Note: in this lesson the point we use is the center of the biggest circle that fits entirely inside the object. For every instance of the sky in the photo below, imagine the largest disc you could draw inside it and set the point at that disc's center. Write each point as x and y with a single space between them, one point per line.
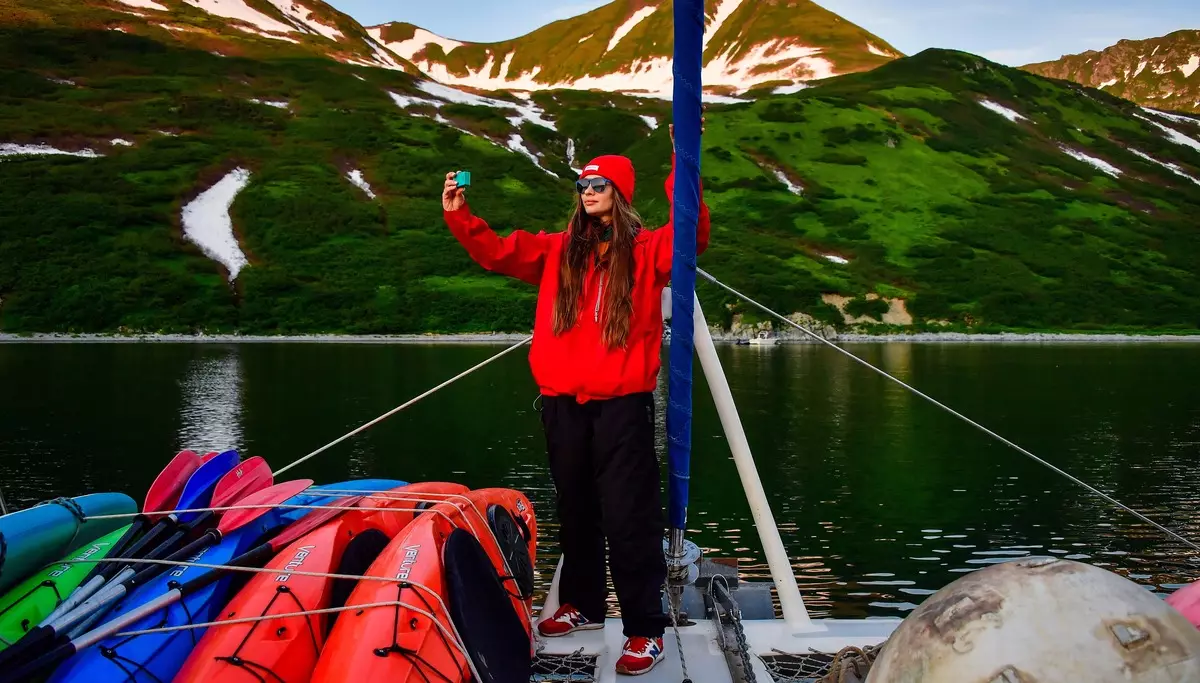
1013 32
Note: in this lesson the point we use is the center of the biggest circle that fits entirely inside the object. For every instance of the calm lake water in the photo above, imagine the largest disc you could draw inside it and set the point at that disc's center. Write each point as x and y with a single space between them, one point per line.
881 498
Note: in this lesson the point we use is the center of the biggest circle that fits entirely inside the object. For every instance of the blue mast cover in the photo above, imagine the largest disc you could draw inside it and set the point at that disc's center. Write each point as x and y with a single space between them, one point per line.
689 49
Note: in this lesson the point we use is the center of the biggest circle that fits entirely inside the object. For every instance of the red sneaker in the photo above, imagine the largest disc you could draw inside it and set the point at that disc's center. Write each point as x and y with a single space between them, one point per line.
640 655
566 620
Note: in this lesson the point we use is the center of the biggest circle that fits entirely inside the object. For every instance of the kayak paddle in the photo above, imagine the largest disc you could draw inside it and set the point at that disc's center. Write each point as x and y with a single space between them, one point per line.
254 557
197 492
259 504
162 496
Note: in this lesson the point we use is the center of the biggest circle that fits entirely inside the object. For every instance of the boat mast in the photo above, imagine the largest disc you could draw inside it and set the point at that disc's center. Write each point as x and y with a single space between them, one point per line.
689 47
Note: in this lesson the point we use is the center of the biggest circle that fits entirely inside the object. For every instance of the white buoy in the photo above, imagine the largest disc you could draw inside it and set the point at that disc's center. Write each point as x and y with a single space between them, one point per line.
1041 619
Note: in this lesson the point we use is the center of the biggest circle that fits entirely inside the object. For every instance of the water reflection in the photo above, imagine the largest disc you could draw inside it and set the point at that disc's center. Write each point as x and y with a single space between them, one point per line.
880 497
210 417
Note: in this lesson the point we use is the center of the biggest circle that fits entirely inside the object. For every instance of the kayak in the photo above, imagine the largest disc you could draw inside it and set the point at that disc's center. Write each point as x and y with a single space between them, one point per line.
449 566
157 657
29 602
36 536
285 649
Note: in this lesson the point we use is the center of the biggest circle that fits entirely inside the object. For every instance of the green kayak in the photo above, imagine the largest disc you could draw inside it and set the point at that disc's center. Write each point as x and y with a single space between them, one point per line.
29 602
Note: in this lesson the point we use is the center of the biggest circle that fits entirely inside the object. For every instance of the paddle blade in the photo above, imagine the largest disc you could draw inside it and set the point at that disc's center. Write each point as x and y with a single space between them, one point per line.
164 492
267 498
311 522
198 491
251 476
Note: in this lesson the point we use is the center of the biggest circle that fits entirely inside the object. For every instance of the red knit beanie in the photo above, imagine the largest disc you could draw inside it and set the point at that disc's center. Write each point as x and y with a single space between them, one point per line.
618 169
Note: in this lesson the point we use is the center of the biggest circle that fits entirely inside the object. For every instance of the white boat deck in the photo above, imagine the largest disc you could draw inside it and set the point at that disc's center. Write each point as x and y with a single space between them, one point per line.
701 647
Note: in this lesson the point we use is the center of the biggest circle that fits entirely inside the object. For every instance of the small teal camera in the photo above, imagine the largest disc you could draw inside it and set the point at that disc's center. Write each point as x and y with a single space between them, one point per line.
463 178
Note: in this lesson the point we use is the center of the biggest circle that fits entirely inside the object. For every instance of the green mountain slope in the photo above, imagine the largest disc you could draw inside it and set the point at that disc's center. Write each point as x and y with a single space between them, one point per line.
910 190
626 45
247 28
1159 72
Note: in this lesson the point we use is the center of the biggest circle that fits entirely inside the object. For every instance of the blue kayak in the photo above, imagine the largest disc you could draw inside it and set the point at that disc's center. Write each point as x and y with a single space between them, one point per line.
158 657
31 538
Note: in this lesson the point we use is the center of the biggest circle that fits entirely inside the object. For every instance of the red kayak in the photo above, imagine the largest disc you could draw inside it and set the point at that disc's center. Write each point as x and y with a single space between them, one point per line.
462 585
285 649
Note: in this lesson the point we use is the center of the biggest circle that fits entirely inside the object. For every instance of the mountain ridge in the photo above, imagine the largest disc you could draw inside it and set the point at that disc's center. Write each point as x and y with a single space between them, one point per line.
625 46
252 28
1162 72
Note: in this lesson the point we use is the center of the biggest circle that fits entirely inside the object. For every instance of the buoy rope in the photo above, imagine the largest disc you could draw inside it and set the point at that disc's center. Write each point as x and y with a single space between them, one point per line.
405 405
955 413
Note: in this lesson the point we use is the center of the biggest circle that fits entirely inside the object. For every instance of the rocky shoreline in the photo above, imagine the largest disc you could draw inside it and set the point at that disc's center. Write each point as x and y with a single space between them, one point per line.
723 337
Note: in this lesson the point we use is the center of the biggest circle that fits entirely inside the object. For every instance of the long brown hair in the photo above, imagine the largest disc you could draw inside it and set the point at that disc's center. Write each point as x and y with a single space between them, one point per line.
583 241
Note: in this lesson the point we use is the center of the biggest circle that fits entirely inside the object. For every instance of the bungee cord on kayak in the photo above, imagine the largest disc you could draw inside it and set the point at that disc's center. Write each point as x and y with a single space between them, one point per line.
955 413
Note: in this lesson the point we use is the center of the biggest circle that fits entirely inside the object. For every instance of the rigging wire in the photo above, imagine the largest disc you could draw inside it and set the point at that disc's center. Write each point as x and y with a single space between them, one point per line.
407 404
952 411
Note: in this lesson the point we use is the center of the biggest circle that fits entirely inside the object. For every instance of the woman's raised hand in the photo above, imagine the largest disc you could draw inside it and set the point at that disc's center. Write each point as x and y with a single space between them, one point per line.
453 197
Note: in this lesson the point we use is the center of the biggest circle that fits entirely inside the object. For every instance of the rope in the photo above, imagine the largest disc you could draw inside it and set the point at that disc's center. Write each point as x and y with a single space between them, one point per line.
952 411
411 402
452 634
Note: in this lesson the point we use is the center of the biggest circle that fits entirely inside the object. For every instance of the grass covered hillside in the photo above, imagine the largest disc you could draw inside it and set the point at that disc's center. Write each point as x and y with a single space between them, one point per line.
1159 72
962 193
245 28
626 45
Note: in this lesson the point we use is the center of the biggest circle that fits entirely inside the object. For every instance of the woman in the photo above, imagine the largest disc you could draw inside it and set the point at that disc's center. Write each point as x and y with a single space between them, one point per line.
596 351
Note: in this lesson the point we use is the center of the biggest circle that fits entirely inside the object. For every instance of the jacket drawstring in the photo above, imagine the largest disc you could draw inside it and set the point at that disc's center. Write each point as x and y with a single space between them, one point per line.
599 296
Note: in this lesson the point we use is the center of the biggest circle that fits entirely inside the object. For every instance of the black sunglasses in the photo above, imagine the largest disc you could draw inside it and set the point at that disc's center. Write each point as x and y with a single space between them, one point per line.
600 185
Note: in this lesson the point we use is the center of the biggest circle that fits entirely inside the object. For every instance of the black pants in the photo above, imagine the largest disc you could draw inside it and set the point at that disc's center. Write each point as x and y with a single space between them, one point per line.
607 485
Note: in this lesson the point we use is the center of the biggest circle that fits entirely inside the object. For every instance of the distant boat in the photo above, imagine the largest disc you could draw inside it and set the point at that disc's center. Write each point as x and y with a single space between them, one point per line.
764 339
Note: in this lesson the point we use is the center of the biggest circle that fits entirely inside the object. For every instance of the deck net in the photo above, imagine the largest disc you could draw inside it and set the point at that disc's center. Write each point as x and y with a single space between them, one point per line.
572 668
851 665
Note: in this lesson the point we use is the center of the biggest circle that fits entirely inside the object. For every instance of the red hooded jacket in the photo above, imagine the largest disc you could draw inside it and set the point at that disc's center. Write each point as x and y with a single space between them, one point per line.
578 363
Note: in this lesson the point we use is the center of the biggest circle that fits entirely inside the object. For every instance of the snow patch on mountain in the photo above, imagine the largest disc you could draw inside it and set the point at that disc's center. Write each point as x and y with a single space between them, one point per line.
1174 168
1003 111
483 79
1178 118
12 149
876 51
120 142
278 104
517 144
800 62
420 39
356 178
724 11
630 24
571 155
206 222
1172 134
782 177
145 4
305 18
790 89
1141 67
1106 84
1191 66
1092 161
586 38
526 111
238 9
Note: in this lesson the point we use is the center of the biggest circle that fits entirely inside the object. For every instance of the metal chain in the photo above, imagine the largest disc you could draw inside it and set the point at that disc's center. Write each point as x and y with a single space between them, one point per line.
735 618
